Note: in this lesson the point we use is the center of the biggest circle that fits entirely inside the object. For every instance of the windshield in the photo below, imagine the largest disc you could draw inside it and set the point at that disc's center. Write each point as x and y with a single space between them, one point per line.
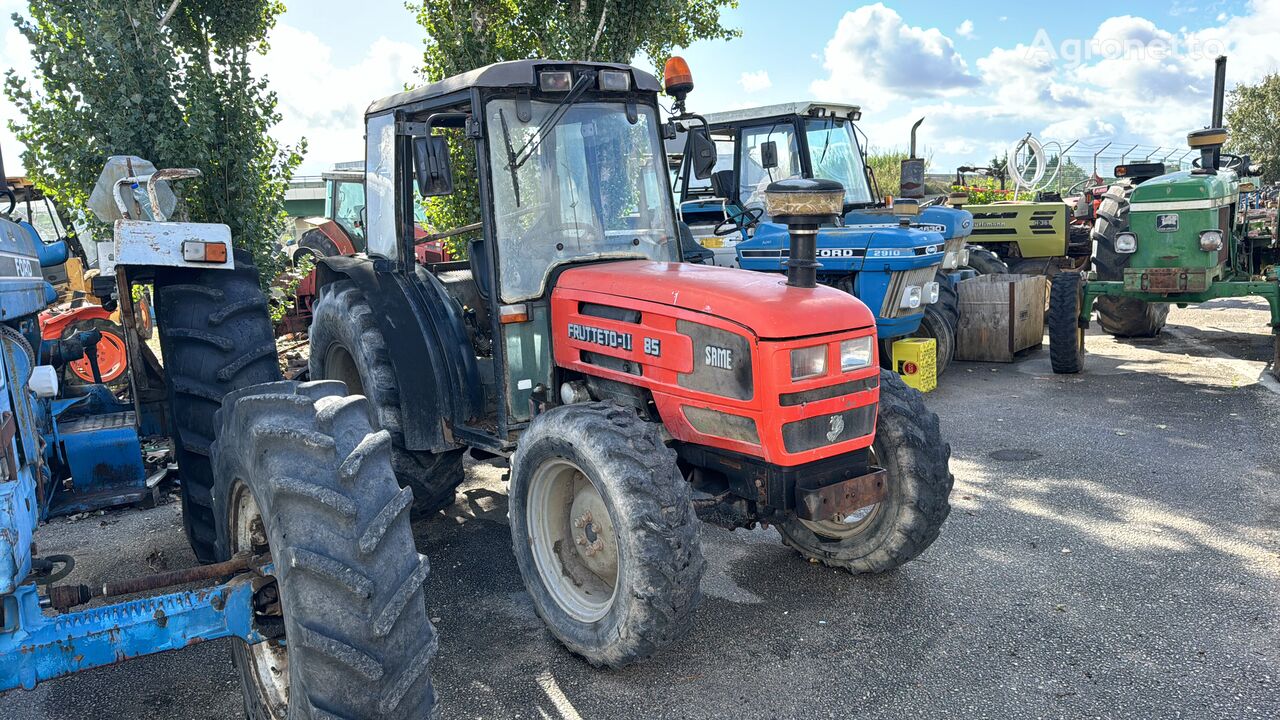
594 186
834 155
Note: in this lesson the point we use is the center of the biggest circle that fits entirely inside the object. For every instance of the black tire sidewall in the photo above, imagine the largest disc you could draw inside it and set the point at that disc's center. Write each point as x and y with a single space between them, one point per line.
568 629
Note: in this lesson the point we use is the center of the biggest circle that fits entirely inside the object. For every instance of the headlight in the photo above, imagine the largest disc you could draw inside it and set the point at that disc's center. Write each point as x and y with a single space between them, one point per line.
1126 243
964 257
616 80
1211 240
932 291
911 297
857 353
808 362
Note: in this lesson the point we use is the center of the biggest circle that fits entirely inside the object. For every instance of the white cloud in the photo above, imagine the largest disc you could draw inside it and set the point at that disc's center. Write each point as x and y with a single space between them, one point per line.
755 81
875 56
325 102
966 29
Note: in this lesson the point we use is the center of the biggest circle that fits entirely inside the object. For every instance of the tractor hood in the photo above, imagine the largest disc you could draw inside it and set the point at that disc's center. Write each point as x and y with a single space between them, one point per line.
1189 190
764 303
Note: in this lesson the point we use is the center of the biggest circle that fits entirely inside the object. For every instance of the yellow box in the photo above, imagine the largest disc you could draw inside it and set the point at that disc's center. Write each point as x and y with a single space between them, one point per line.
920 354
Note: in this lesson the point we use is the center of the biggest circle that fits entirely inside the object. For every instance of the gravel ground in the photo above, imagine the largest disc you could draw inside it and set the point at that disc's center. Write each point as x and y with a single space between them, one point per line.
1113 551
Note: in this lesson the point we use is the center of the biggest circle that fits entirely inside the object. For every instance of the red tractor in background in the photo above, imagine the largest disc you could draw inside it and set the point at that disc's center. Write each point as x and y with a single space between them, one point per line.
634 394
341 231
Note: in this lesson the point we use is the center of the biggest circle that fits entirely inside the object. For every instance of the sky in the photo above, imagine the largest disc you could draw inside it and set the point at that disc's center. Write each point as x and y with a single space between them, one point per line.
982 77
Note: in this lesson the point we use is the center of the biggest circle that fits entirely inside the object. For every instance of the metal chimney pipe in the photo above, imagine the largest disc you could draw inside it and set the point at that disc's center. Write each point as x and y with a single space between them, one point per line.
1219 89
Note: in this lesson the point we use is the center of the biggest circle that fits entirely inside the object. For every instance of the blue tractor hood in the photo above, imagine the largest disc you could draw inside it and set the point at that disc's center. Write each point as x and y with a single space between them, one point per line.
842 250
949 222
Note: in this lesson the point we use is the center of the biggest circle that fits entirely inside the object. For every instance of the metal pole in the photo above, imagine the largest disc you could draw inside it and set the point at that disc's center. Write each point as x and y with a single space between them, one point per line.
1153 152
1126 154
1095 158
1180 158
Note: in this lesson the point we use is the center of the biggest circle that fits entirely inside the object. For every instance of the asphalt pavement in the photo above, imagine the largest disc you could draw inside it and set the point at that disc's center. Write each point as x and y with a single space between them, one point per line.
1113 551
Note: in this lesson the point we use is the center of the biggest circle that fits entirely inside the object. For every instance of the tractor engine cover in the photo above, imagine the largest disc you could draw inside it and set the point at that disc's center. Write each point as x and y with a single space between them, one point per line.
714 347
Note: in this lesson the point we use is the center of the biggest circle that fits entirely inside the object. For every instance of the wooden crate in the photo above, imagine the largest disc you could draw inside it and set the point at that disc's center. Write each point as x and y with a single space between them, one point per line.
1000 316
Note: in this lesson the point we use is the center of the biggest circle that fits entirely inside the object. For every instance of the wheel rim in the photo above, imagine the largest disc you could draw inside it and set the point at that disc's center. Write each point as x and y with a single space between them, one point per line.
112 358
268 660
340 365
850 525
574 545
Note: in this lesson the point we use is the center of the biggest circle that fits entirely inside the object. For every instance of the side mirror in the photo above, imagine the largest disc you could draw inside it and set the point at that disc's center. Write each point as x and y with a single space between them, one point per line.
702 153
722 183
431 165
768 154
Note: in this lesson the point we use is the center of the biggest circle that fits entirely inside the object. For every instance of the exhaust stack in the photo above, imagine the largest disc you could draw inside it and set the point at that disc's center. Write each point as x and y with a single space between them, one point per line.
804 205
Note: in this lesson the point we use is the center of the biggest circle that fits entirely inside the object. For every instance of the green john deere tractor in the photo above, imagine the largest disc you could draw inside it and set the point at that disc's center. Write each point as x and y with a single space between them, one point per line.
1177 238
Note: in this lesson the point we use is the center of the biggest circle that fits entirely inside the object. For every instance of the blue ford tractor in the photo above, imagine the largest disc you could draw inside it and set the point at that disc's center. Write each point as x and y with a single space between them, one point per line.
288 496
895 257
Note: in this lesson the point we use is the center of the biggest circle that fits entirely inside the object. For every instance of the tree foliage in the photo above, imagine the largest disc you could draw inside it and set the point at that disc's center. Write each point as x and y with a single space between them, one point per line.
466 34
167 81
1252 122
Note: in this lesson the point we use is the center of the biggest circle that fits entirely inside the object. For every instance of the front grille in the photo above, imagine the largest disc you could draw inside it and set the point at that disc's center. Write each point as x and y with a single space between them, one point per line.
898 283
823 430
828 392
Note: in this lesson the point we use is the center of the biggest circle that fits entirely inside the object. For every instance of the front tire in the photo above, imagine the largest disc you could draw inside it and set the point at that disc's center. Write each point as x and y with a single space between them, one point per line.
909 446
1066 336
604 532
936 324
1117 315
347 345
302 474
986 262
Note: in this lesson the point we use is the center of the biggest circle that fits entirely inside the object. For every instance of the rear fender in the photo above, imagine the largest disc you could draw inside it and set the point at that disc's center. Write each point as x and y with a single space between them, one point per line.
432 358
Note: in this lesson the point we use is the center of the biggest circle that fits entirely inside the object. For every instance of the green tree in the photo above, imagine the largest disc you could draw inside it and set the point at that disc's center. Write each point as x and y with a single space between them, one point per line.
1252 122
166 80
466 34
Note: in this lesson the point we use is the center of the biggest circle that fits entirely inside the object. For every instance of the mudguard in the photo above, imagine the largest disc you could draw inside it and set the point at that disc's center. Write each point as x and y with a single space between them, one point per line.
431 355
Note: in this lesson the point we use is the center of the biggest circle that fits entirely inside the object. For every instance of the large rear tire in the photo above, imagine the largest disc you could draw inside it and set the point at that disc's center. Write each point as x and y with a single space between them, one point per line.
604 532
909 446
347 345
1120 316
302 474
1066 337
216 337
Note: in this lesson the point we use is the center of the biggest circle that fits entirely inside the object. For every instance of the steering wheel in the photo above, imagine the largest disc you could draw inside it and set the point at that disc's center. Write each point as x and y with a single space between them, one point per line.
13 201
1226 161
735 222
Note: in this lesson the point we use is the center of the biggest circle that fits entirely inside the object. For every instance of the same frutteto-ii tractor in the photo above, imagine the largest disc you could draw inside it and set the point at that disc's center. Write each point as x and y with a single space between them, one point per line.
633 393
1181 238
287 491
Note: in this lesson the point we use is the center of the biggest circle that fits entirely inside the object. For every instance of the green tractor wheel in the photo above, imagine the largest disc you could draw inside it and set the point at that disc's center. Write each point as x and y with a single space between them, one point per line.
1066 336
1120 316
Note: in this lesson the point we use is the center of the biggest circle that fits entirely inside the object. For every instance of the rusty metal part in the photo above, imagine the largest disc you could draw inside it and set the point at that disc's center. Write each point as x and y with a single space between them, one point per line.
838 499
63 597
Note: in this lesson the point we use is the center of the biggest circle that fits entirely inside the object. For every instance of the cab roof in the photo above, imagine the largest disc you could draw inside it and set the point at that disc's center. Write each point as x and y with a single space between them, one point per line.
804 107
515 73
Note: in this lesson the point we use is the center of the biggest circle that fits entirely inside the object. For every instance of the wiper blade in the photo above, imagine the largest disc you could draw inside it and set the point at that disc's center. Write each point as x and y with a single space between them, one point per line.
511 156
526 152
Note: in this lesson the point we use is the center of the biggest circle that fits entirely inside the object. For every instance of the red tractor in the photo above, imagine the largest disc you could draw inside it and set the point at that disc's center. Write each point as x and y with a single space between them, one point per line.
633 393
